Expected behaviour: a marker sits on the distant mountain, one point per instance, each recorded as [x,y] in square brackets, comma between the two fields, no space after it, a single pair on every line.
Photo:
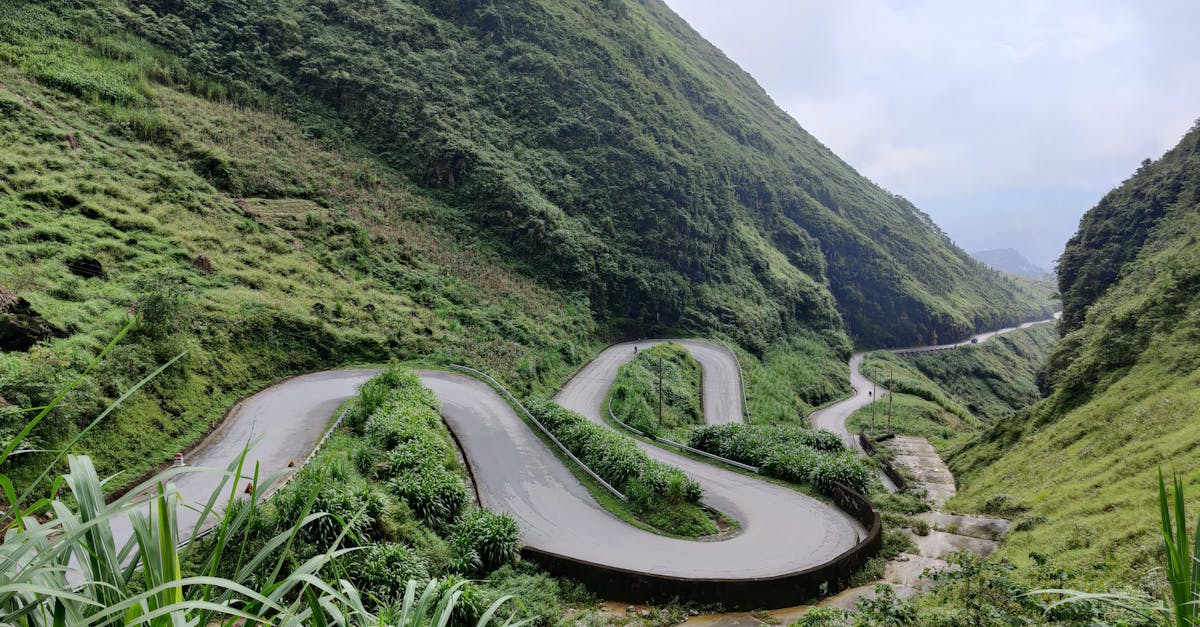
[1010,261]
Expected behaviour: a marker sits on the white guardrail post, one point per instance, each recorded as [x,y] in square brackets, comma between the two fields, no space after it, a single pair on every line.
[496,384]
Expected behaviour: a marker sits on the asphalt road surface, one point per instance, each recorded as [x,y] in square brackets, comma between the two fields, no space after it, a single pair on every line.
[833,418]
[280,424]
[782,531]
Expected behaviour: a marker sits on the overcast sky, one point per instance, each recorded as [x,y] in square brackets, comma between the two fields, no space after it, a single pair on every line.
[1004,120]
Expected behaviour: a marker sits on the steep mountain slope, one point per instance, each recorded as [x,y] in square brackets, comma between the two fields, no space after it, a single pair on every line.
[611,149]
[1010,260]
[277,187]
[1124,382]
[108,214]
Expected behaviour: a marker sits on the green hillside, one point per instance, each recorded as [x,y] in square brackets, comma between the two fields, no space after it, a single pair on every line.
[1123,384]
[608,148]
[333,259]
[268,188]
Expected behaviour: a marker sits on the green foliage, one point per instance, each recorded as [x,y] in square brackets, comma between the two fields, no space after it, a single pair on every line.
[384,570]
[1182,560]
[803,456]
[494,538]
[197,210]
[404,428]
[915,416]
[1118,229]
[686,198]
[795,375]
[897,375]
[651,486]
[634,393]
[1122,387]
[67,566]
[995,379]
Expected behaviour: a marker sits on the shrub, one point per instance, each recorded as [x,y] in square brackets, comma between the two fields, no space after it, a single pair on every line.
[617,458]
[383,571]
[804,456]
[494,538]
[434,495]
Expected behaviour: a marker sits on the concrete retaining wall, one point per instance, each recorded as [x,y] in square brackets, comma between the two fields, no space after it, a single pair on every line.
[742,594]
[888,469]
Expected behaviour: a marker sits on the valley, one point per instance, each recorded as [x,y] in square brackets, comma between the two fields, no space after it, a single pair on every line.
[523,312]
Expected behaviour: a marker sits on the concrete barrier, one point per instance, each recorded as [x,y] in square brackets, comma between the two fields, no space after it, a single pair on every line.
[888,469]
[734,594]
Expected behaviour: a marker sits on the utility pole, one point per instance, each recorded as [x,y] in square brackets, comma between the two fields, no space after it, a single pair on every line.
[891,382]
[660,375]
[873,397]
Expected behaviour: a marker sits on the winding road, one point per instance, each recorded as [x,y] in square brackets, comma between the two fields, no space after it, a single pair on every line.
[782,531]
[834,417]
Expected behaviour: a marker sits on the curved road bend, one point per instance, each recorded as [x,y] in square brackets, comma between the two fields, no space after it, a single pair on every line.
[287,419]
[782,531]
[834,417]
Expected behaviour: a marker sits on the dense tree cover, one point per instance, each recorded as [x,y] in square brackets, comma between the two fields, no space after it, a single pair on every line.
[607,146]
[1115,231]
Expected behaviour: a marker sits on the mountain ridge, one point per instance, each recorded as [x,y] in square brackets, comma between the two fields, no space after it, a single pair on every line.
[1011,261]
[611,148]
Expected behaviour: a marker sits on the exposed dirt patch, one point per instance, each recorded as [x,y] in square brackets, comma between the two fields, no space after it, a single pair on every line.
[20,326]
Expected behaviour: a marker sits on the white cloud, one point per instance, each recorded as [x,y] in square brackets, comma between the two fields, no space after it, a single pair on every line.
[943,100]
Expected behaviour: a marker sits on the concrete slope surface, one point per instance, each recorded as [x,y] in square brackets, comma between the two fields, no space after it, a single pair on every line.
[782,531]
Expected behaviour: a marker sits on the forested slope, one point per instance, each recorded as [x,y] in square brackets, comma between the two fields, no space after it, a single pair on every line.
[610,149]
[271,187]
[1123,383]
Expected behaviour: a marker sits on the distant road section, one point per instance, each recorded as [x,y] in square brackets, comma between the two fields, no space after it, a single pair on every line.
[833,418]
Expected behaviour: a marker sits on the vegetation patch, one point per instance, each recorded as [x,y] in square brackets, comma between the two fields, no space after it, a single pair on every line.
[995,379]
[913,415]
[894,373]
[814,458]
[662,495]
[233,236]
[667,368]
[792,377]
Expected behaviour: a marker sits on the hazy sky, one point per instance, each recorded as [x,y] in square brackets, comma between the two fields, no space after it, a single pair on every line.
[1004,120]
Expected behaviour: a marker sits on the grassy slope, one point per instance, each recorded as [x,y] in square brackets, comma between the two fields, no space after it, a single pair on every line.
[794,376]
[1124,382]
[634,396]
[948,397]
[610,148]
[913,415]
[996,378]
[318,225]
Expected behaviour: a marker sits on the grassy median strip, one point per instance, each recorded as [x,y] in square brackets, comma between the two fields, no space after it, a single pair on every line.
[635,397]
